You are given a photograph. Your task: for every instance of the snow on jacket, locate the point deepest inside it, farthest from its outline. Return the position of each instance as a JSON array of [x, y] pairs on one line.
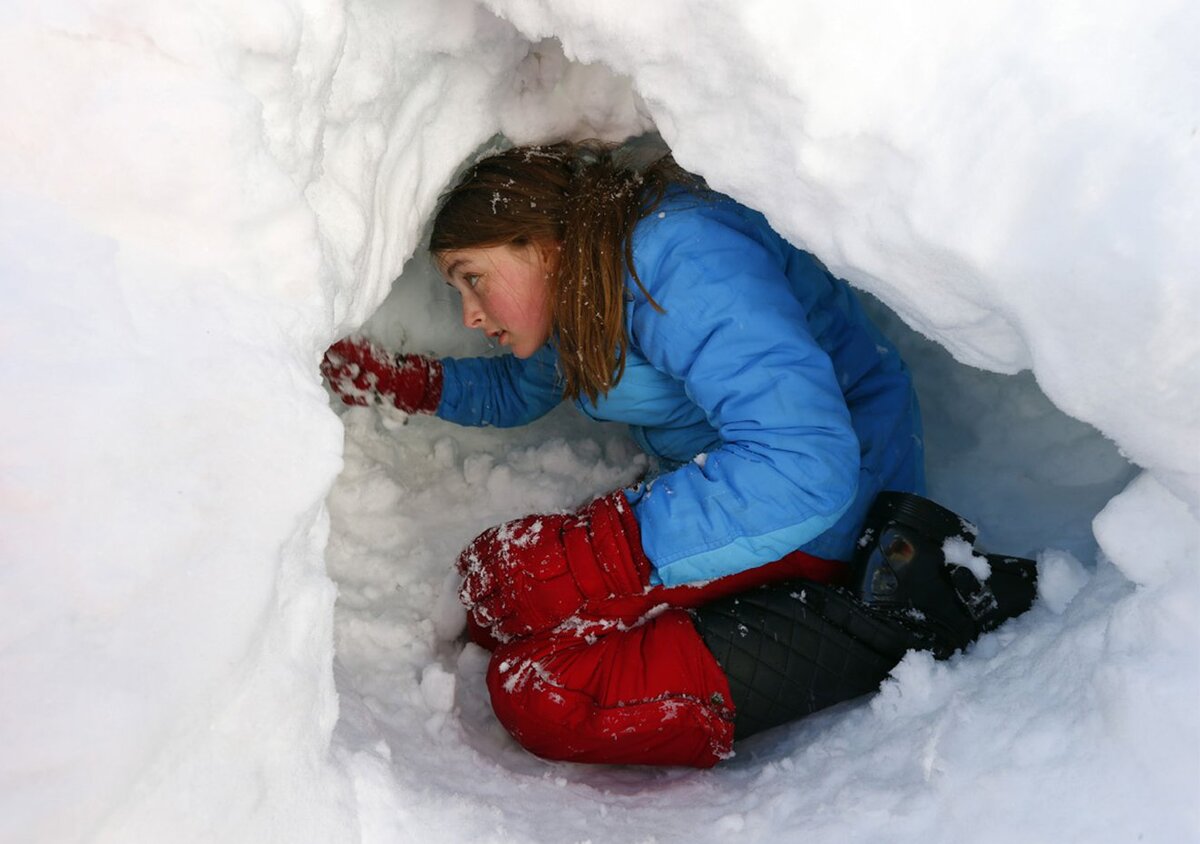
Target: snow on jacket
[[781, 410]]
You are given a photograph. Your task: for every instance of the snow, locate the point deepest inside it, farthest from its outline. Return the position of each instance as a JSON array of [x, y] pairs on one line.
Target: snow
[[197, 198], [959, 552], [1060, 577]]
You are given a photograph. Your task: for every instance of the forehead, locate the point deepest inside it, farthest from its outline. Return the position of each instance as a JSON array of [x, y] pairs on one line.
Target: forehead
[[475, 256]]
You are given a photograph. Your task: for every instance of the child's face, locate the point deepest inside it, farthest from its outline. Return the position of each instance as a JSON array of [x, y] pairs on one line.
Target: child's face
[[505, 291]]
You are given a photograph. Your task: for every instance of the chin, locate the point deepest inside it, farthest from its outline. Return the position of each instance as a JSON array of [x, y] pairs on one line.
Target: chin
[[527, 348]]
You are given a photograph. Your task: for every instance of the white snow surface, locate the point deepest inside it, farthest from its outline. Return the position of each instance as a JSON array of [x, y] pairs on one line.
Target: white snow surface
[[197, 198]]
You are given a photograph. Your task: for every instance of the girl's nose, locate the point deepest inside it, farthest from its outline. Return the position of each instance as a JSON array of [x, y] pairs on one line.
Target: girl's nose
[[472, 314]]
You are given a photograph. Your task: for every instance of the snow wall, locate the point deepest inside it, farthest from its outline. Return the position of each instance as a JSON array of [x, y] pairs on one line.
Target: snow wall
[[198, 197]]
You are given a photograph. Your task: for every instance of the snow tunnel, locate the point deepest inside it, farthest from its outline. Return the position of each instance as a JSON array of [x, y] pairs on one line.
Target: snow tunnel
[[230, 609]]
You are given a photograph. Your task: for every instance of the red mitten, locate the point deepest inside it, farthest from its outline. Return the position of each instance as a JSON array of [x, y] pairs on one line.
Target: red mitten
[[531, 574], [361, 373]]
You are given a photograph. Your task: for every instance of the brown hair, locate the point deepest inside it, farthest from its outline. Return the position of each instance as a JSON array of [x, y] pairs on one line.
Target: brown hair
[[584, 198]]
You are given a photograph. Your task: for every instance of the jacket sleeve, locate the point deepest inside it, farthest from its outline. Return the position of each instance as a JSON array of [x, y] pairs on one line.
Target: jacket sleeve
[[504, 391], [738, 339]]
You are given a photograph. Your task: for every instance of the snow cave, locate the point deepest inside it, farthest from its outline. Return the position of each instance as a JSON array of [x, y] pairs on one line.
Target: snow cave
[[230, 608]]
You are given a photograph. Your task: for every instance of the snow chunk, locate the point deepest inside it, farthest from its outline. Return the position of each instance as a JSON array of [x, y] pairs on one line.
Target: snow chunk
[[437, 688], [1148, 532], [1060, 577], [959, 552], [449, 614]]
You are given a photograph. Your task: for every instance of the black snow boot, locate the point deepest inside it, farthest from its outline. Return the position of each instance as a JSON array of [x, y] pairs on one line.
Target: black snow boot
[[900, 568], [790, 649]]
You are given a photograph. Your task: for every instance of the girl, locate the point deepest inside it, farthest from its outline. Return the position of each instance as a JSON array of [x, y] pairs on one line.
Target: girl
[[775, 408]]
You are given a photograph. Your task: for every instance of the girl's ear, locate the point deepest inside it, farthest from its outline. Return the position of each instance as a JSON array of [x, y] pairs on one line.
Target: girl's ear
[[548, 252]]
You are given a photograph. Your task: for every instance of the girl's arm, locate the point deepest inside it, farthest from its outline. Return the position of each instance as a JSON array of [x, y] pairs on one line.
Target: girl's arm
[[736, 336], [503, 391]]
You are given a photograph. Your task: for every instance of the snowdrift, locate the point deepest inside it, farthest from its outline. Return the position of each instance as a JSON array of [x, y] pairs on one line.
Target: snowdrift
[[198, 198]]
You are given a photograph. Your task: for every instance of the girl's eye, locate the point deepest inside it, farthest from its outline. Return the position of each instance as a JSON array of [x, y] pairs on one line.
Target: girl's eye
[[472, 279]]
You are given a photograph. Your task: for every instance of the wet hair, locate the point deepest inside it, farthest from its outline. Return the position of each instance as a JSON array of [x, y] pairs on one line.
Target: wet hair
[[587, 198]]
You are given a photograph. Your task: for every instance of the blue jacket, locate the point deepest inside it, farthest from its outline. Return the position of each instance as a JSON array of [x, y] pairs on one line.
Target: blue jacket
[[777, 409]]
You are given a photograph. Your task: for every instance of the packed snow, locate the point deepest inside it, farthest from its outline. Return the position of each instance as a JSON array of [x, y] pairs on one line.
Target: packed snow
[[229, 602]]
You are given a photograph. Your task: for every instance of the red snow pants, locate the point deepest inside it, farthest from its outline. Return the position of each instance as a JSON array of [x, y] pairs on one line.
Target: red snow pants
[[632, 683]]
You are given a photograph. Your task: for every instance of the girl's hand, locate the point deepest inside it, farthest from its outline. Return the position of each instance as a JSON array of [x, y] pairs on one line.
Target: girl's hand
[[361, 373], [534, 573]]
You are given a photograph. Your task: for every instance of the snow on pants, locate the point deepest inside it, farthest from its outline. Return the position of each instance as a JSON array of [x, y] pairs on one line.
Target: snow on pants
[[631, 683]]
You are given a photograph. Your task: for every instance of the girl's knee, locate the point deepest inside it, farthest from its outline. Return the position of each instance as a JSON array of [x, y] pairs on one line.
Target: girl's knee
[[648, 695]]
